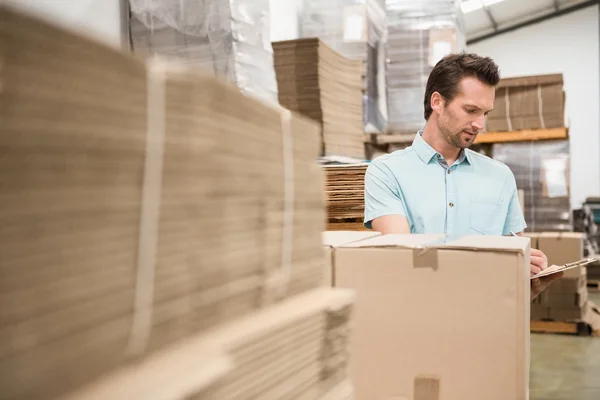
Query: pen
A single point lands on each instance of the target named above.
(514, 234)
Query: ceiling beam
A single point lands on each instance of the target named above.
(556, 5)
(487, 11)
(554, 14)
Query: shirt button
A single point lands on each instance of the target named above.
(451, 205)
(448, 172)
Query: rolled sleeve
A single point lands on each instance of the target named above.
(515, 221)
(382, 195)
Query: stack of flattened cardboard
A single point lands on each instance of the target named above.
(529, 102)
(413, 290)
(420, 33)
(138, 206)
(321, 84)
(567, 298)
(357, 30)
(295, 349)
(542, 171)
(237, 48)
(344, 191)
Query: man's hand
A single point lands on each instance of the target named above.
(539, 262)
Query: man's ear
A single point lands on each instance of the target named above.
(437, 102)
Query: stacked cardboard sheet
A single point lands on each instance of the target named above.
(420, 33)
(541, 170)
(319, 83)
(295, 349)
(137, 207)
(413, 290)
(228, 38)
(567, 298)
(344, 191)
(529, 102)
(356, 29)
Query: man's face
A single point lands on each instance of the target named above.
(461, 119)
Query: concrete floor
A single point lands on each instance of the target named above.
(565, 367)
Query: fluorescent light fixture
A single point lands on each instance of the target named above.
(474, 5)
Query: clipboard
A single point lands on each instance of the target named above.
(559, 268)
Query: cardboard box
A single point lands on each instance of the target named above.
(534, 237)
(539, 312)
(332, 239)
(562, 248)
(432, 313)
(561, 300)
(521, 195)
(530, 102)
(568, 285)
(567, 313)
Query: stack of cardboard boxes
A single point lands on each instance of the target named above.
(541, 170)
(432, 310)
(228, 38)
(357, 30)
(420, 33)
(528, 102)
(321, 84)
(153, 214)
(566, 299)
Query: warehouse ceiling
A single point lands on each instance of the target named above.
(486, 18)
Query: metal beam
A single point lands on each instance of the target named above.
(125, 25)
(490, 17)
(533, 21)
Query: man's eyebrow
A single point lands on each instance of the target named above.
(477, 107)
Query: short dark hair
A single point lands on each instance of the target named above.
(450, 70)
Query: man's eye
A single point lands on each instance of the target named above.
(471, 111)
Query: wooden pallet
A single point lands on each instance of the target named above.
(578, 328)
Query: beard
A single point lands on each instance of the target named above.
(454, 137)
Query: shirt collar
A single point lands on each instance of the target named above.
(426, 153)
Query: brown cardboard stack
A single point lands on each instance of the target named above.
(295, 349)
(344, 191)
(566, 299)
(431, 311)
(319, 83)
(80, 133)
(529, 102)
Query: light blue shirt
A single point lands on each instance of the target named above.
(476, 195)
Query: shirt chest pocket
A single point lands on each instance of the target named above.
(487, 216)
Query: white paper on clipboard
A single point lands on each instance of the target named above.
(559, 268)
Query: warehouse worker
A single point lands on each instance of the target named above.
(438, 185)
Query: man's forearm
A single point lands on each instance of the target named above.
(390, 224)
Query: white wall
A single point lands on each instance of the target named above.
(566, 44)
(100, 18)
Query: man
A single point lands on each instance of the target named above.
(438, 185)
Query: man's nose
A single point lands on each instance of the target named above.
(479, 123)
